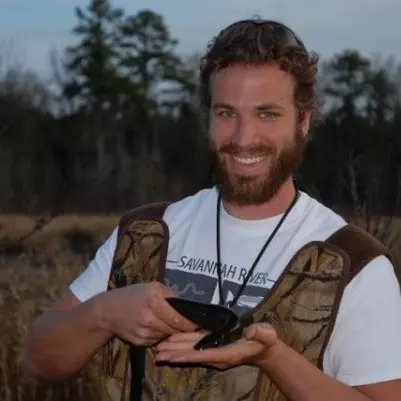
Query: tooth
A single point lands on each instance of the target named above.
(248, 160)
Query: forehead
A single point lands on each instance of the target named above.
(243, 85)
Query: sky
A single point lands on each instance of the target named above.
(32, 28)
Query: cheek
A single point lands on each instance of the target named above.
(271, 133)
(280, 132)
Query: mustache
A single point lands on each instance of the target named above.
(254, 150)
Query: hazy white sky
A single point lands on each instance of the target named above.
(326, 26)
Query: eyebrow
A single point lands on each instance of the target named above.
(269, 106)
(260, 107)
(222, 105)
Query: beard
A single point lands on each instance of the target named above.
(242, 190)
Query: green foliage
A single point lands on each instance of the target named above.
(132, 130)
(357, 147)
(92, 64)
(121, 61)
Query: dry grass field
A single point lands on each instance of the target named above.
(33, 272)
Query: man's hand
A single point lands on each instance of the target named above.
(141, 315)
(252, 348)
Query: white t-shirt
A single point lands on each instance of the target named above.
(365, 345)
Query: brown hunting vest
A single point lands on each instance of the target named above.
(304, 303)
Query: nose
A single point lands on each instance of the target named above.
(244, 133)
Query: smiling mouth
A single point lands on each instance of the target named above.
(248, 160)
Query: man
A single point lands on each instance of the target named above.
(258, 87)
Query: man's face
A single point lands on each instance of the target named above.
(254, 131)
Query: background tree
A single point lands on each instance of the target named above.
(353, 158)
(132, 131)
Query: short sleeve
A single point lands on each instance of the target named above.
(93, 280)
(365, 346)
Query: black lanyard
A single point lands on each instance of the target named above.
(269, 239)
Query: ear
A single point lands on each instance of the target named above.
(305, 122)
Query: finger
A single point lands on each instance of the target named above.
(143, 337)
(190, 356)
(193, 336)
(229, 354)
(143, 341)
(261, 332)
(153, 323)
(163, 290)
(151, 334)
(165, 312)
(166, 346)
(180, 341)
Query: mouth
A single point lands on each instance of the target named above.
(248, 160)
(247, 165)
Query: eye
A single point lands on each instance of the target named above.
(268, 115)
(226, 113)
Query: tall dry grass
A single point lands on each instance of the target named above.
(32, 275)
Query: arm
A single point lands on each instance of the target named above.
(295, 376)
(63, 340)
(362, 361)
(364, 352)
(301, 381)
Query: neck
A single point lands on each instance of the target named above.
(276, 205)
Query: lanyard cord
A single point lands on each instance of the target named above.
(218, 249)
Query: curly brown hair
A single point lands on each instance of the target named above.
(257, 41)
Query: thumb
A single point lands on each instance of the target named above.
(163, 290)
(261, 332)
